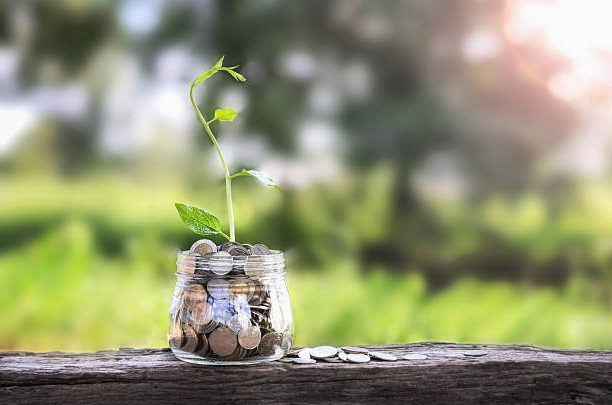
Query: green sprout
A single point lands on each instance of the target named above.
(199, 220)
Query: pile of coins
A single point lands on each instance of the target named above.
(231, 309)
(352, 354)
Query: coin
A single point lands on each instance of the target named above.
(203, 246)
(223, 341)
(201, 315)
(249, 337)
(260, 249)
(175, 335)
(414, 356)
(286, 342)
(238, 322)
(357, 358)
(270, 344)
(299, 360)
(209, 327)
(218, 288)
(332, 360)
(383, 356)
(254, 266)
(220, 263)
(342, 356)
(203, 346)
(321, 352)
(191, 339)
(304, 353)
(234, 249)
(353, 349)
(195, 294)
(285, 360)
(474, 353)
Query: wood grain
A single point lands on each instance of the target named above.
(507, 374)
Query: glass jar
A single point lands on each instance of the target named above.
(230, 309)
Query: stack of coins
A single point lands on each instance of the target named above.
(233, 310)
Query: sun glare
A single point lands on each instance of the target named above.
(578, 30)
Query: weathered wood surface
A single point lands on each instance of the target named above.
(507, 374)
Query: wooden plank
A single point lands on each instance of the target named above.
(523, 374)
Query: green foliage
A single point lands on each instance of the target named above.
(226, 114)
(262, 177)
(200, 221)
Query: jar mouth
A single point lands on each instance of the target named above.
(216, 266)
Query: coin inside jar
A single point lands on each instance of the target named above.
(223, 341)
(191, 339)
(203, 247)
(249, 337)
(260, 249)
(270, 344)
(220, 263)
(218, 288)
(195, 293)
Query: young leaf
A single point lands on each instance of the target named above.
(209, 73)
(200, 221)
(234, 74)
(262, 177)
(226, 114)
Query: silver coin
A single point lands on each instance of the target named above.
(474, 353)
(304, 353)
(357, 358)
(342, 356)
(238, 322)
(299, 360)
(353, 349)
(220, 263)
(383, 356)
(414, 356)
(270, 344)
(285, 360)
(219, 288)
(260, 249)
(321, 352)
(332, 360)
(203, 247)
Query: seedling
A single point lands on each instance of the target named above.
(199, 220)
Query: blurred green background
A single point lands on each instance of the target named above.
(445, 165)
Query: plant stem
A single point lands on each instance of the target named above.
(226, 173)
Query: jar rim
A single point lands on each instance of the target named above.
(211, 266)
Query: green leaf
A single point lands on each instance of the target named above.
(225, 114)
(208, 73)
(235, 75)
(262, 177)
(200, 221)
(219, 63)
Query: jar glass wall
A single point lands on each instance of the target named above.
(230, 309)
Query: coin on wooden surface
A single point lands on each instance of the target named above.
(223, 341)
(414, 356)
(332, 360)
(270, 344)
(260, 249)
(474, 353)
(191, 339)
(342, 356)
(249, 337)
(203, 247)
(357, 358)
(286, 360)
(304, 353)
(299, 360)
(321, 352)
(383, 356)
(354, 349)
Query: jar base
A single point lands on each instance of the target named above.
(195, 359)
